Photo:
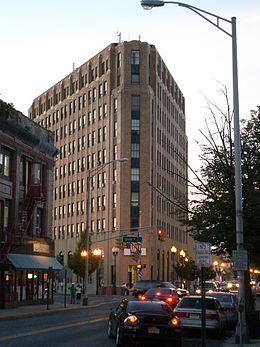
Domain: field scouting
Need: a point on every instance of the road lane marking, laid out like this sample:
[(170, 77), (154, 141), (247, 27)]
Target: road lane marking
[(61, 327)]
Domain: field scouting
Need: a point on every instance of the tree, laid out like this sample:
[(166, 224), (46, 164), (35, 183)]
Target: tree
[(213, 213), (77, 261)]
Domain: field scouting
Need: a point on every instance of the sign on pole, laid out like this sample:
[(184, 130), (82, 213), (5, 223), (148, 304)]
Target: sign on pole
[(240, 260), (130, 239), (203, 254)]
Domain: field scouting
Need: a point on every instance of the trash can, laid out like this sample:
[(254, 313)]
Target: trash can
[(253, 324)]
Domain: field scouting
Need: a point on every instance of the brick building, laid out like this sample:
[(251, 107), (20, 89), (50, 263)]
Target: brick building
[(123, 102), (26, 177)]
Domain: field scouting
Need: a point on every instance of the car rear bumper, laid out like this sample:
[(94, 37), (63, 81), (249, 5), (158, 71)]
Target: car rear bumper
[(169, 335), (196, 324)]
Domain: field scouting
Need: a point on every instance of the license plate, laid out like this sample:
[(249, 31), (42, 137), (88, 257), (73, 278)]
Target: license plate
[(194, 316), (153, 330)]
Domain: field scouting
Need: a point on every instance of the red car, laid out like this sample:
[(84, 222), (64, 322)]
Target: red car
[(168, 295)]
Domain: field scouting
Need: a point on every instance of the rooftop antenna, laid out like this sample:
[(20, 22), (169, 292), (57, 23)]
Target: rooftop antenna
[(139, 37), (73, 66), (118, 36)]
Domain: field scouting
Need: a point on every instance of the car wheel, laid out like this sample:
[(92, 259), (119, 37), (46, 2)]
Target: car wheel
[(119, 337), (109, 329)]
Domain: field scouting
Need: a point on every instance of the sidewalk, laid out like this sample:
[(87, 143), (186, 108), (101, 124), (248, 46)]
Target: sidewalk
[(58, 305), (231, 343)]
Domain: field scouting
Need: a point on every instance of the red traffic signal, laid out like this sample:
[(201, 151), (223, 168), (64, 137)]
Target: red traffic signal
[(160, 233)]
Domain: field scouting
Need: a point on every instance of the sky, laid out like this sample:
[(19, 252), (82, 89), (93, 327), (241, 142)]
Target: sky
[(41, 40)]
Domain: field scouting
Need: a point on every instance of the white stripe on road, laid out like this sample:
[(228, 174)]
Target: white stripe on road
[(61, 327)]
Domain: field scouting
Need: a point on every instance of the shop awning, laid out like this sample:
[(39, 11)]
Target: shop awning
[(33, 262)]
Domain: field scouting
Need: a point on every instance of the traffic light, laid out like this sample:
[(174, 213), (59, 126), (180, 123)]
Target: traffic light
[(160, 234), (139, 266)]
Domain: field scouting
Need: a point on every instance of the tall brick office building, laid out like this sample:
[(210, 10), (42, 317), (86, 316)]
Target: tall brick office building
[(123, 102)]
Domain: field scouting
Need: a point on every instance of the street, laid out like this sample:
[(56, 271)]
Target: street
[(80, 327)]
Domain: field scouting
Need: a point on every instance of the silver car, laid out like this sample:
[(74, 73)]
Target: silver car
[(229, 303), (188, 310)]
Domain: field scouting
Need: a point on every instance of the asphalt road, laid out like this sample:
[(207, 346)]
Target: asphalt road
[(74, 328)]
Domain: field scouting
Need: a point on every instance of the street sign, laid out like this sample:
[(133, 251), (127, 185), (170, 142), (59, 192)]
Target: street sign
[(240, 260), (135, 247), (203, 254), (130, 239)]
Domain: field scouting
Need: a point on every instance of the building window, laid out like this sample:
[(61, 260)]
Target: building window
[(114, 223), (114, 200), (105, 87), (104, 133), (4, 164), (94, 115), (135, 174), (135, 126), (7, 209), (93, 140), (115, 152), (135, 103), (115, 129), (100, 90), (103, 202), (36, 173), (105, 110), (115, 105), (135, 67), (135, 58), (134, 199), (135, 150), (114, 176)]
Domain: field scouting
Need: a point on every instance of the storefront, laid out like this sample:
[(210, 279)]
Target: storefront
[(28, 280)]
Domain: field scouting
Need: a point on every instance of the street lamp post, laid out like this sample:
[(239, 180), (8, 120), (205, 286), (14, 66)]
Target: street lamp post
[(173, 252), (90, 175), (115, 251), (241, 331), (98, 253)]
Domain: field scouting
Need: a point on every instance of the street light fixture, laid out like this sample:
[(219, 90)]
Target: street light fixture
[(90, 175), (182, 257), (241, 331), (115, 251), (97, 252), (173, 252)]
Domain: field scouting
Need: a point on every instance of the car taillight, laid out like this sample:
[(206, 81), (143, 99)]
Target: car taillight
[(158, 293), (131, 320), (143, 297), (212, 316), (174, 322), (170, 300), (182, 314)]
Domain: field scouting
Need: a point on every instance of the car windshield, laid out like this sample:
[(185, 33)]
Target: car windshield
[(162, 291), (144, 306), (188, 302), (145, 284), (221, 297)]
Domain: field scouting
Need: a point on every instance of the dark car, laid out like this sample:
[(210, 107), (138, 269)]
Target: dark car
[(169, 295), (140, 287), (144, 321)]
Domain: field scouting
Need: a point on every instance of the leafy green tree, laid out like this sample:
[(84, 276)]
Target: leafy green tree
[(77, 261), (187, 270), (213, 218)]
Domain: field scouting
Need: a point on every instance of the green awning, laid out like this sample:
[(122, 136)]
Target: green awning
[(33, 262)]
